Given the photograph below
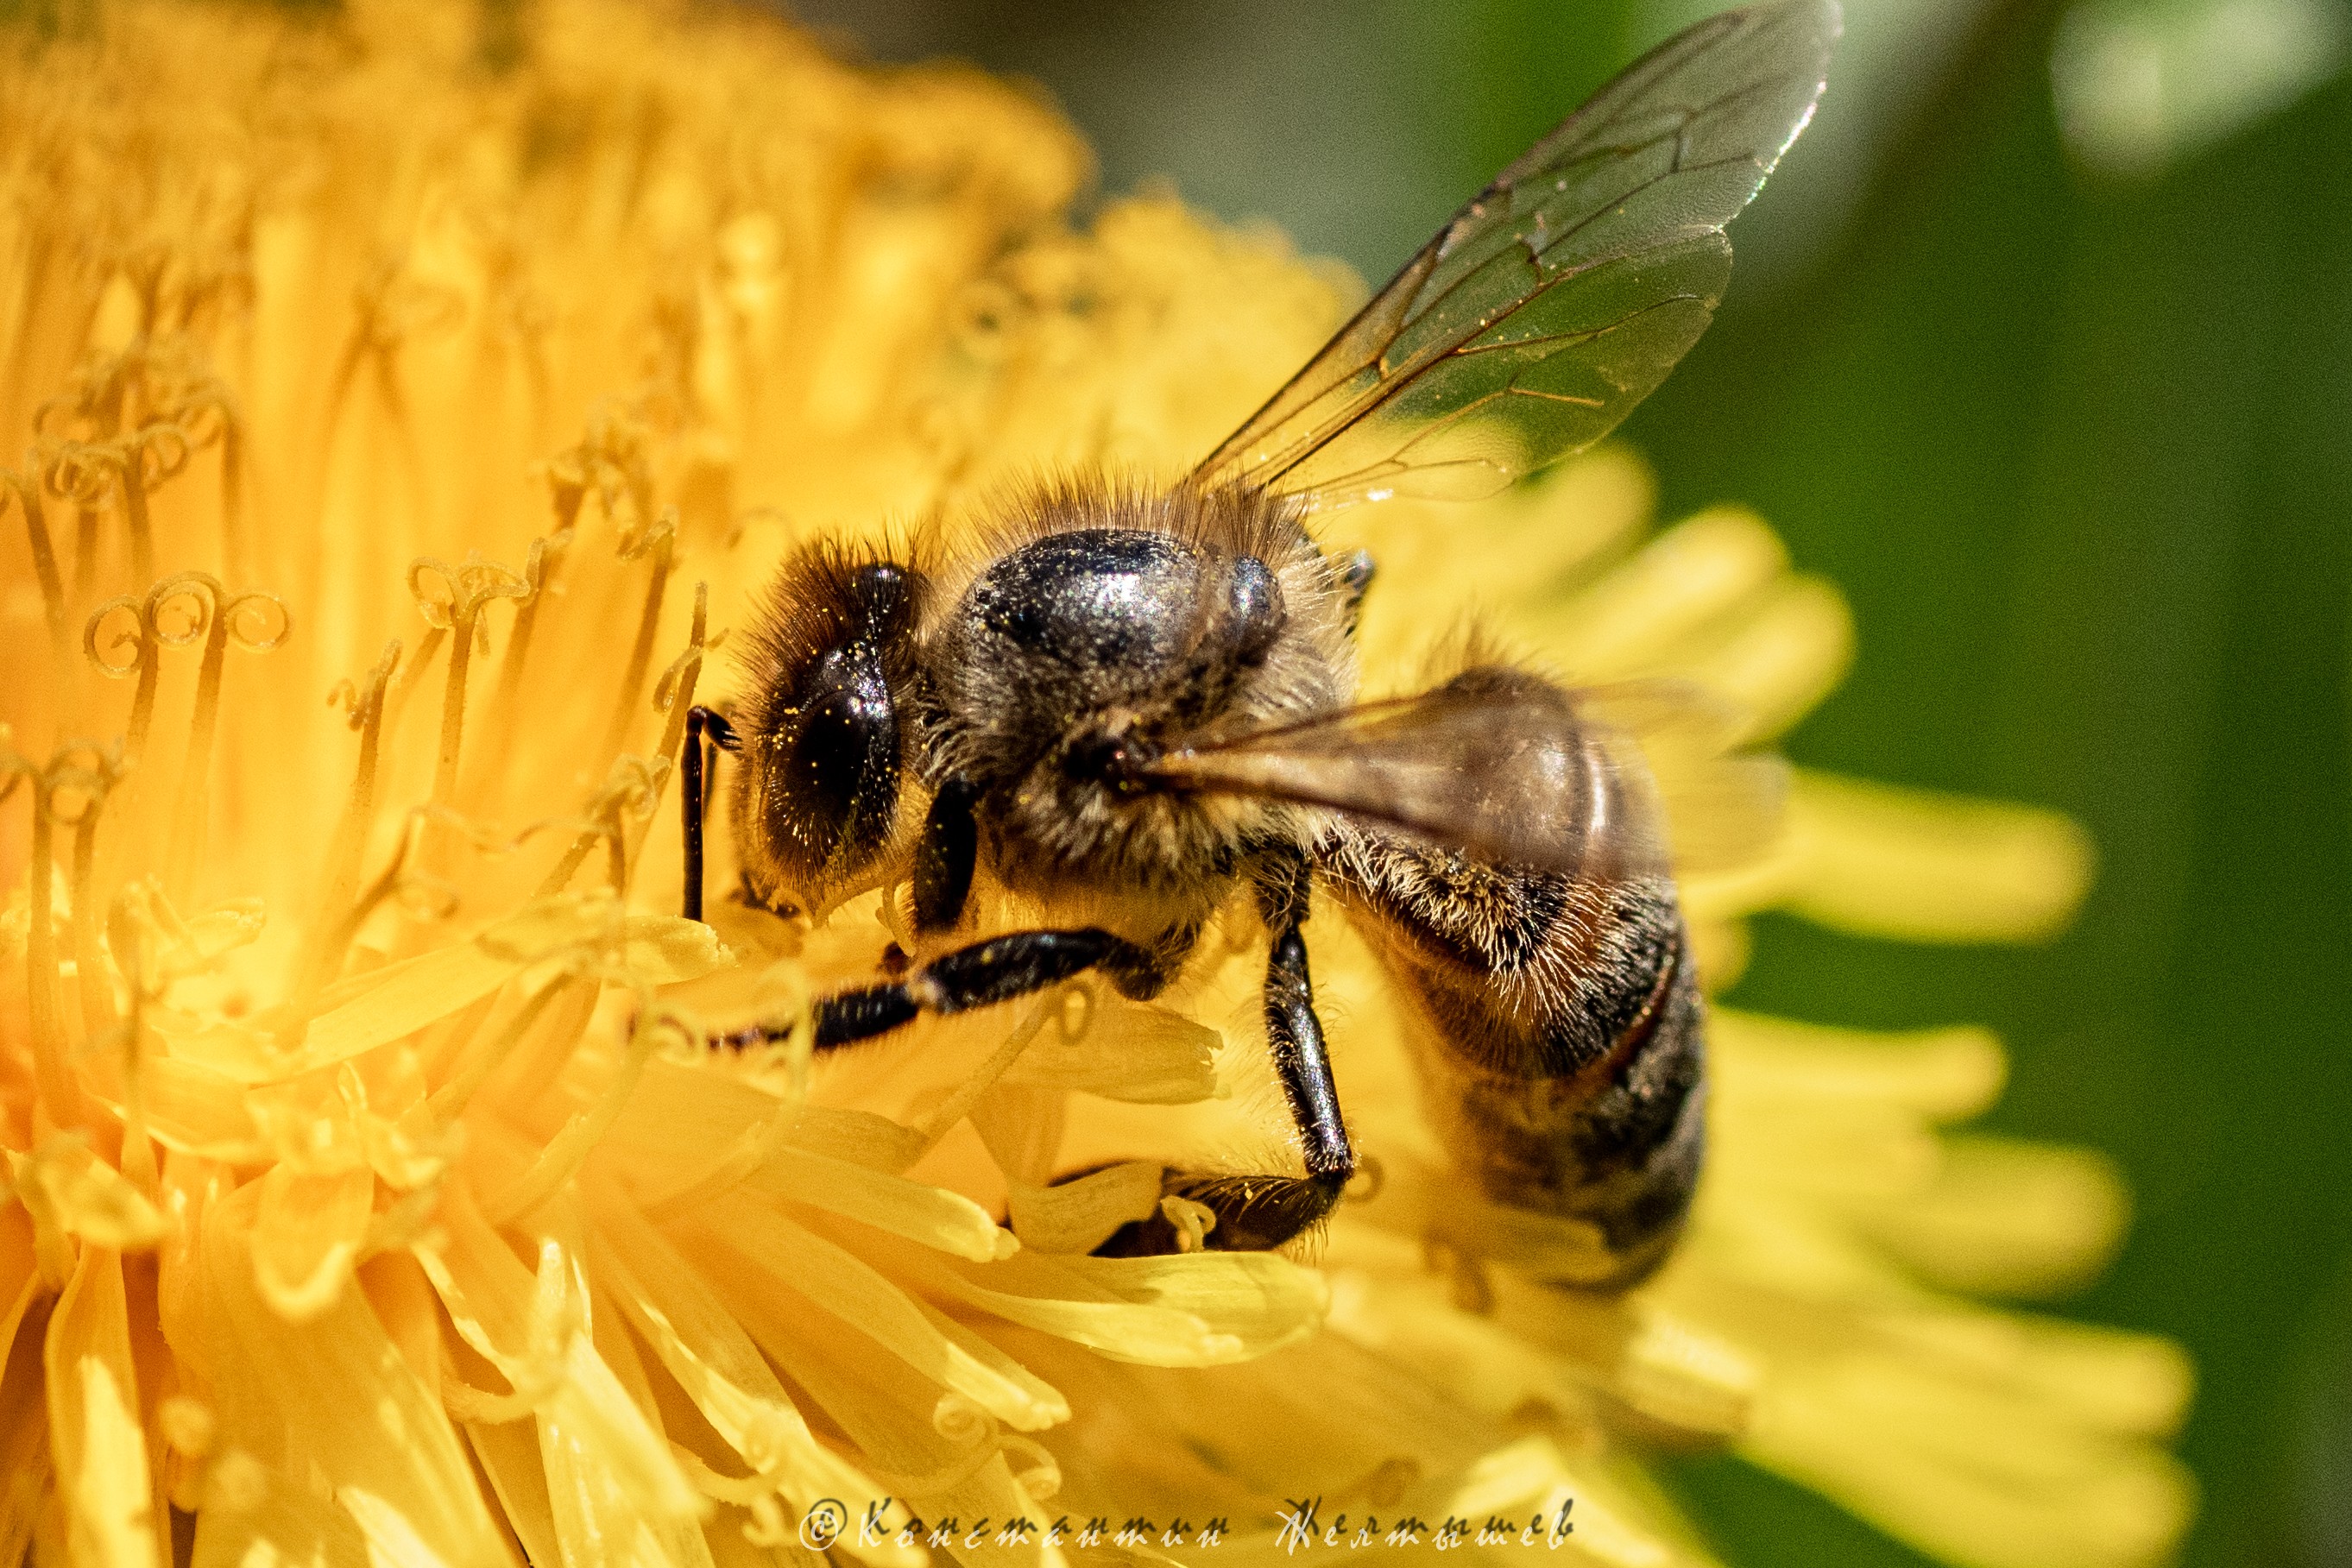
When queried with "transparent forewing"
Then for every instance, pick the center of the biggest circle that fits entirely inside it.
(1506, 769)
(1560, 296)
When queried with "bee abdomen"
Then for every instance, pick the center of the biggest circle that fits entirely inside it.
(1618, 1144)
(1558, 1031)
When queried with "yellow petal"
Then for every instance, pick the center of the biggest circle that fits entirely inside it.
(20, 1274)
(510, 1456)
(1528, 1481)
(1944, 1075)
(715, 1362)
(2008, 1217)
(192, 1108)
(1080, 1216)
(921, 1443)
(1552, 529)
(252, 1518)
(603, 1512)
(1692, 576)
(403, 997)
(307, 1231)
(604, 1460)
(1023, 1129)
(2100, 1379)
(334, 1398)
(1469, 1355)
(769, 1247)
(1134, 1052)
(1197, 1310)
(915, 1210)
(690, 1121)
(400, 999)
(95, 1436)
(1973, 1478)
(1777, 665)
(1921, 867)
(63, 1184)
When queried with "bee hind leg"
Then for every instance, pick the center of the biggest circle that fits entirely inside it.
(1259, 1213)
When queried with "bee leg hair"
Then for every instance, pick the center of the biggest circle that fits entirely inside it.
(1258, 1213)
(694, 796)
(996, 970)
(1293, 1031)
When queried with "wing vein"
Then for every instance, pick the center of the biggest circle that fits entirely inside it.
(1710, 112)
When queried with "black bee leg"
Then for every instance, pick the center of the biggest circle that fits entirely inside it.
(1295, 1035)
(694, 797)
(1258, 1213)
(944, 860)
(997, 970)
(1355, 580)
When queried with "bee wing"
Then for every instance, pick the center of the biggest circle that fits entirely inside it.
(1498, 765)
(1562, 294)
(1728, 806)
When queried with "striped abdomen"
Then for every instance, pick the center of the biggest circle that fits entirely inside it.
(1558, 1031)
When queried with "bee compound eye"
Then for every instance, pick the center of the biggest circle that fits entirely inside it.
(833, 767)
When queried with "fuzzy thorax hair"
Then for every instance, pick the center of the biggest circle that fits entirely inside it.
(1032, 653)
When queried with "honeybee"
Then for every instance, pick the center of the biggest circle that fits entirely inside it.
(1138, 704)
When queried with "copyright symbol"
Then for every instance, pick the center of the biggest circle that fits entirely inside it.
(822, 1525)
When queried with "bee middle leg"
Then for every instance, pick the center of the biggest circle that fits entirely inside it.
(1259, 1213)
(998, 969)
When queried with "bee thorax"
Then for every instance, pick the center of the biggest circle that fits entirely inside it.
(1120, 627)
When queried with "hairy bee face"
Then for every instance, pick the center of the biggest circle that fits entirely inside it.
(1073, 661)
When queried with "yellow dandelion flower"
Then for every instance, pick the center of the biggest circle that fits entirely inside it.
(398, 441)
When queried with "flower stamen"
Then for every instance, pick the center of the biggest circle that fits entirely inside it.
(365, 706)
(657, 543)
(45, 563)
(470, 587)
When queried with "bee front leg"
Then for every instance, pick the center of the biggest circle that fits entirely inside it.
(694, 794)
(1259, 1213)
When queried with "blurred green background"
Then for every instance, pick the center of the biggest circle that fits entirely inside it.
(2041, 345)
